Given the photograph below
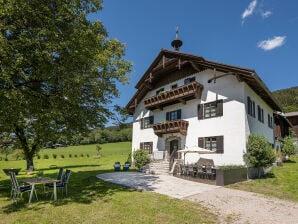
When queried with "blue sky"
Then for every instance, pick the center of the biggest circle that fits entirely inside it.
(256, 34)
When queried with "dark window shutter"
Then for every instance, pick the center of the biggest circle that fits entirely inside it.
(253, 109)
(142, 145)
(200, 111)
(151, 147)
(201, 142)
(219, 108)
(248, 105)
(151, 120)
(142, 123)
(179, 114)
(220, 144)
(168, 116)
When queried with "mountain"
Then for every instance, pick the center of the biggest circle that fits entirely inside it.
(287, 98)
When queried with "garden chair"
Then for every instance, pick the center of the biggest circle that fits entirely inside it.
(210, 173)
(59, 177)
(63, 184)
(18, 190)
(200, 172)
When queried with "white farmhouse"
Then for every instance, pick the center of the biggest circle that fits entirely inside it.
(184, 101)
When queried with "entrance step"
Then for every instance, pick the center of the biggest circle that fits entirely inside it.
(158, 167)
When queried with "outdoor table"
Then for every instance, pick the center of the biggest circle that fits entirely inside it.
(41, 180)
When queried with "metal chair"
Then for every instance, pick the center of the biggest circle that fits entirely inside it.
(209, 172)
(201, 172)
(18, 190)
(63, 184)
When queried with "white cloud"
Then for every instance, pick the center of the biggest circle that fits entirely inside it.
(266, 14)
(270, 44)
(250, 9)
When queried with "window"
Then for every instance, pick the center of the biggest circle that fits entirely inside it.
(260, 114)
(159, 91)
(270, 121)
(213, 143)
(251, 107)
(189, 80)
(209, 110)
(173, 115)
(174, 86)
(146, 122)
(148, 146)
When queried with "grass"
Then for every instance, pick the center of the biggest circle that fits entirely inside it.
(281, 182)
(91, 200)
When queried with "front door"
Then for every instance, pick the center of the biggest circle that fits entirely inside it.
(173, 149)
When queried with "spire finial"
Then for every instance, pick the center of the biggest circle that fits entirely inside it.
(176, 44)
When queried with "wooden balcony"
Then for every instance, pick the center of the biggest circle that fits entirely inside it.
(177, 126)
(183, 93)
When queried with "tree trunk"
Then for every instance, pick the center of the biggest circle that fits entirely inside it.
(24, 143)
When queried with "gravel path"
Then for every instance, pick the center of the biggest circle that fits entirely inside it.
(237, 207)
(232, 206)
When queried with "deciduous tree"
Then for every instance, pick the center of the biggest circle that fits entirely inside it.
(58, 70)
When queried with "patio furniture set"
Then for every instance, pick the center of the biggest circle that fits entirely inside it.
(29, 185)
(198, 171)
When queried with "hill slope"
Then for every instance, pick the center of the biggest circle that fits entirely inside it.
(287, 98)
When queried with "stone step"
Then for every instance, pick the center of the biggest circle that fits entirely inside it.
(158, 167)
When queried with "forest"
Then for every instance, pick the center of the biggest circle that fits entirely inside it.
(287, 98)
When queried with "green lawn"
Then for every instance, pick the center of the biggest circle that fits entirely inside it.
(282, 182)
(91, 200)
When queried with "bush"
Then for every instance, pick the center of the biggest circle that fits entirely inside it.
(141, 158)
(75, 155)
(46, 156)
(70, 155)
(82, 155)
(288, 147)
(54, 156)
(87, 155)
(62, 156)
(259, 153)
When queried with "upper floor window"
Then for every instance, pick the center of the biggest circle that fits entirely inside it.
(173, 115)
(159, 91)
(251, 107)
(146, 122)
(209, 110)
(213, 143)
(270, 121)
(189, 80)
(174, 86)
(260, 114)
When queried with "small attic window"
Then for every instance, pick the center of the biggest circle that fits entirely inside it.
(159, 91)
(189, 80)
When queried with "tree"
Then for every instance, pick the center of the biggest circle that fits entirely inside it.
(58, 70)
(259, 153)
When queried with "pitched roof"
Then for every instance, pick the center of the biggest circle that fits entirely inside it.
(170, 61)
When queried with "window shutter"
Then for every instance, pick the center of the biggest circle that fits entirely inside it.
(200, 111)
(201, 142)
(220, 144)
(179, 114)
(219, 108)
(151, 120)
(151, 148)
(142, 145)
(168, 116)
(142, 123)
(248, 105)
(253, 109)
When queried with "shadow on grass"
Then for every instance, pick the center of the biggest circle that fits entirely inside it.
(83, 187)
(290, 161)
(268, 176)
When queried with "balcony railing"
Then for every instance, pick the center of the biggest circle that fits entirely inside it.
(180, 94)
(177, 126)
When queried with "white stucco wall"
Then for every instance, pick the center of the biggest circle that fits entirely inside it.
(235, 125)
